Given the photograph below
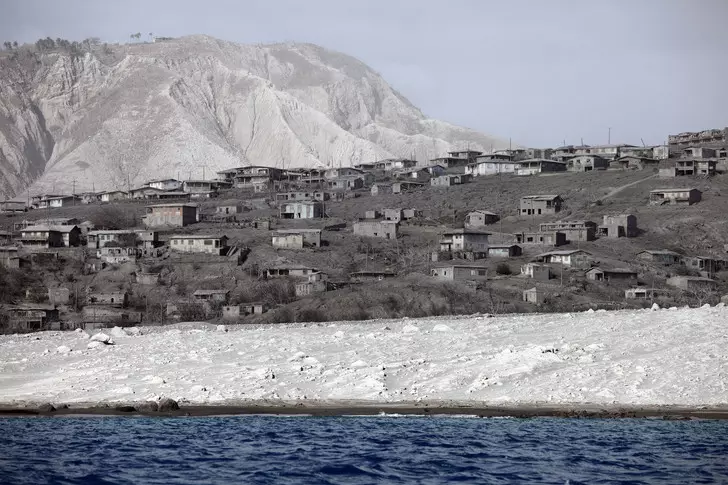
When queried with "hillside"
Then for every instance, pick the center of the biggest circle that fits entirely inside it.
(115, 116)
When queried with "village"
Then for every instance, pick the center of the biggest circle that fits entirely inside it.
(519, 230)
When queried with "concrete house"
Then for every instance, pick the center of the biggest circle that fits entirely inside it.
(41, 237)
(198, 243)
(537, 166)
(692, 283)
(608, 275)
(211, 296)
(254, 177)
(686, 196)
(57, 201)
(381, 229)
(296, 238)
(664, 257)
(461, 273)
(403, 187)
(395, 215)
(121, 237)
(586, 163)
(699, 152)
(381, 189)
(175, 214)
(505, 251)
(554, 239)
(480, 218)
(27, 318)
(59, 296)
(537, 205)
(165, 185)
(302, 210)
(464, 240)
(706, 265)
(394, 164)
(618, 225)
(450, 180)
(574, 258)
(691, 167)
(416, 175)
(534, 295)
(574, 230)
(537, 271)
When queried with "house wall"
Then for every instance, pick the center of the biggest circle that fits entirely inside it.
(115, 299)
(469, 242)
(456, 273)
(539, 207)
(287, 241)
(299, 210)
(178, 216)
(386, 230)
(192, 245)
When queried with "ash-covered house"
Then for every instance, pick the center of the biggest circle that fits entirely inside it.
(113, 196)
(301, 195)
(371, 275)
(174, 214)
(537, 271)
(352, 182)
(574, 258)
(9, 257)
(296, 238)
(706, 265)
(494, 166)
(122, 238)
(12, 206)
(255, 177)
(660, 256)
(537, 205)
(228, 209)
(416, 175)
(376, 228)
(456, 272)
(631, 162)
(43, 236)
(289, 271)
(317, 283)
(480, 218)
(610, 275)
(211, 296)
(305, 209)
(450, 180)
(394, 164)
(27, 318)
(199, 243)
(381, 189)
(586, 163)
(618, 225)
(111, 298)
(693, 283)
(464, 240)
(164, 185)
(206, 188)
(554, 239)
(457, 158)
(404, 187)
(684, 196)
(574, 230)
(504, 251)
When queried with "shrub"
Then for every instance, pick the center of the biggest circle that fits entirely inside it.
(503, 269)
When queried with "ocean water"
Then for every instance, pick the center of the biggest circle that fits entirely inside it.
(360, 450)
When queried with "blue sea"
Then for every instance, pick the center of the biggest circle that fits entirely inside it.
(360, 450)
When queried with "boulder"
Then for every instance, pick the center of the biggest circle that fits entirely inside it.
(222, 328)
(147, 407)
(63, 349)
(167, 404)
(118, 332)
(94, 344)
(103, 338)
(125, 408)
(46, 408)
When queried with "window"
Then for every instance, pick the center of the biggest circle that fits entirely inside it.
(189, 242)
(208, 242)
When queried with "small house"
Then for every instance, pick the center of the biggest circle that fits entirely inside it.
(686, 196)
(111, 298)
(292, 271)
(619, 225)
(403, 187)
(575, 258)
(450, 180)
(574, 230)
(381, 229)
(59, 296)
(9, 257)
(381, 189)
(609, 275)
(164, 184)
(113, 196)
(228, 209)
(12, 206)
(461, 273)
(41, 237)
(173, 214)
(537, 271)
(464, 240)
(534, 295)
(554, 239)
(199, 243)
(394, 215)
(346, 183)
(479, 218)
(536, 205)
(586, 163)
(302, 210)
(663, 256)
(371, 275)
(296, 238)
(505, 251)
(28, 318)
(693, 283)
(212, 296)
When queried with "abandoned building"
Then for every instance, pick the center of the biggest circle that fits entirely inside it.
(461, 273)
(293, 271)
(450, 180)
(28, 318)
(59, 296)
(686, 196)
(315, 195)
(110, 298)
(296, 238)
(212, 296)
(642, 293)
(382, 229)
(574, 230)
(253, 177)
(317, 283)
(505, 251)
(371, 275)
(41, 237)
(228, 209)
(175, 214)
(536, 205)
(480, 218)
(693, 283)
(468, 240)
(706, 138)
(404, 187)
(574, 258)
(631, 162)
(346, 183)
(199, 243)
(381, 189)
(537, 271)
(305, 209)
(618, 225)
(706, 265)
(9, 257)
(608, 275)
(586, 163)
(663, 256)
(554, 239)
(534, 295)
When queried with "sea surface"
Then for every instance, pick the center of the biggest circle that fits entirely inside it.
(360, 450)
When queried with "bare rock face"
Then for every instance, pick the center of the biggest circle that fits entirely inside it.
(167, 404)
(115, 117)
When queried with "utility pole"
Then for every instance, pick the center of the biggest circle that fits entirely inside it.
(73, 191)
(609, 137)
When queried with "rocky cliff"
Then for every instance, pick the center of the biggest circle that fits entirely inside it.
(113, 117)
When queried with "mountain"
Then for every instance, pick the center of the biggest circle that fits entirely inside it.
(110, 117)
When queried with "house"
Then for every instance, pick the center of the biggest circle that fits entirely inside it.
(6, 237)
(70, 235)
(213, 296)
(146, 193)
(104, 316)
(408, 214)
(200, 186)
(464, 240)
(111, 298)
(699, 152)
(317, 195)
(395, 215)
(457, 158)
(144, 278)
(254, 177)
(92, 197)
(59, 296)
(9, 257)
(56, 201)
(305, 209)
(173, 195)
(372, 214)
(575, 258)
(686, 196)
(504, 251)
(692, 283)
(403, 187)
(450, 180)
(113, 196)
(460, 273)
(536, 166)
(586, 163)
(537, 271)
(296, 238)
(534, 295)
(641, 293)
(12, 206)
(343, 172)
(394, 164)
(480, 218)
(164, 185)
(174, 214)
(635, 151)
(618, 225)
(631, 162)
(121, 238)
(117, 255)
(228, 209)
(317, 283)
(608, 275)
(198, 243)
(294, 271)
(706, 265)
(381, 189)
(690, 167)
(417, 175)
(709, 138)
(537, 205)
(609, 152)
(383, 229)
(574, 230)
(554, 239)
(28, 318)
(353, 182)
(663, 257)
(41, 237)
(371, 275)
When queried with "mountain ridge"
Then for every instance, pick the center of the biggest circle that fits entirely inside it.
(113, 117)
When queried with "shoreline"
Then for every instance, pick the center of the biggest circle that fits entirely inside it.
(372, 409)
